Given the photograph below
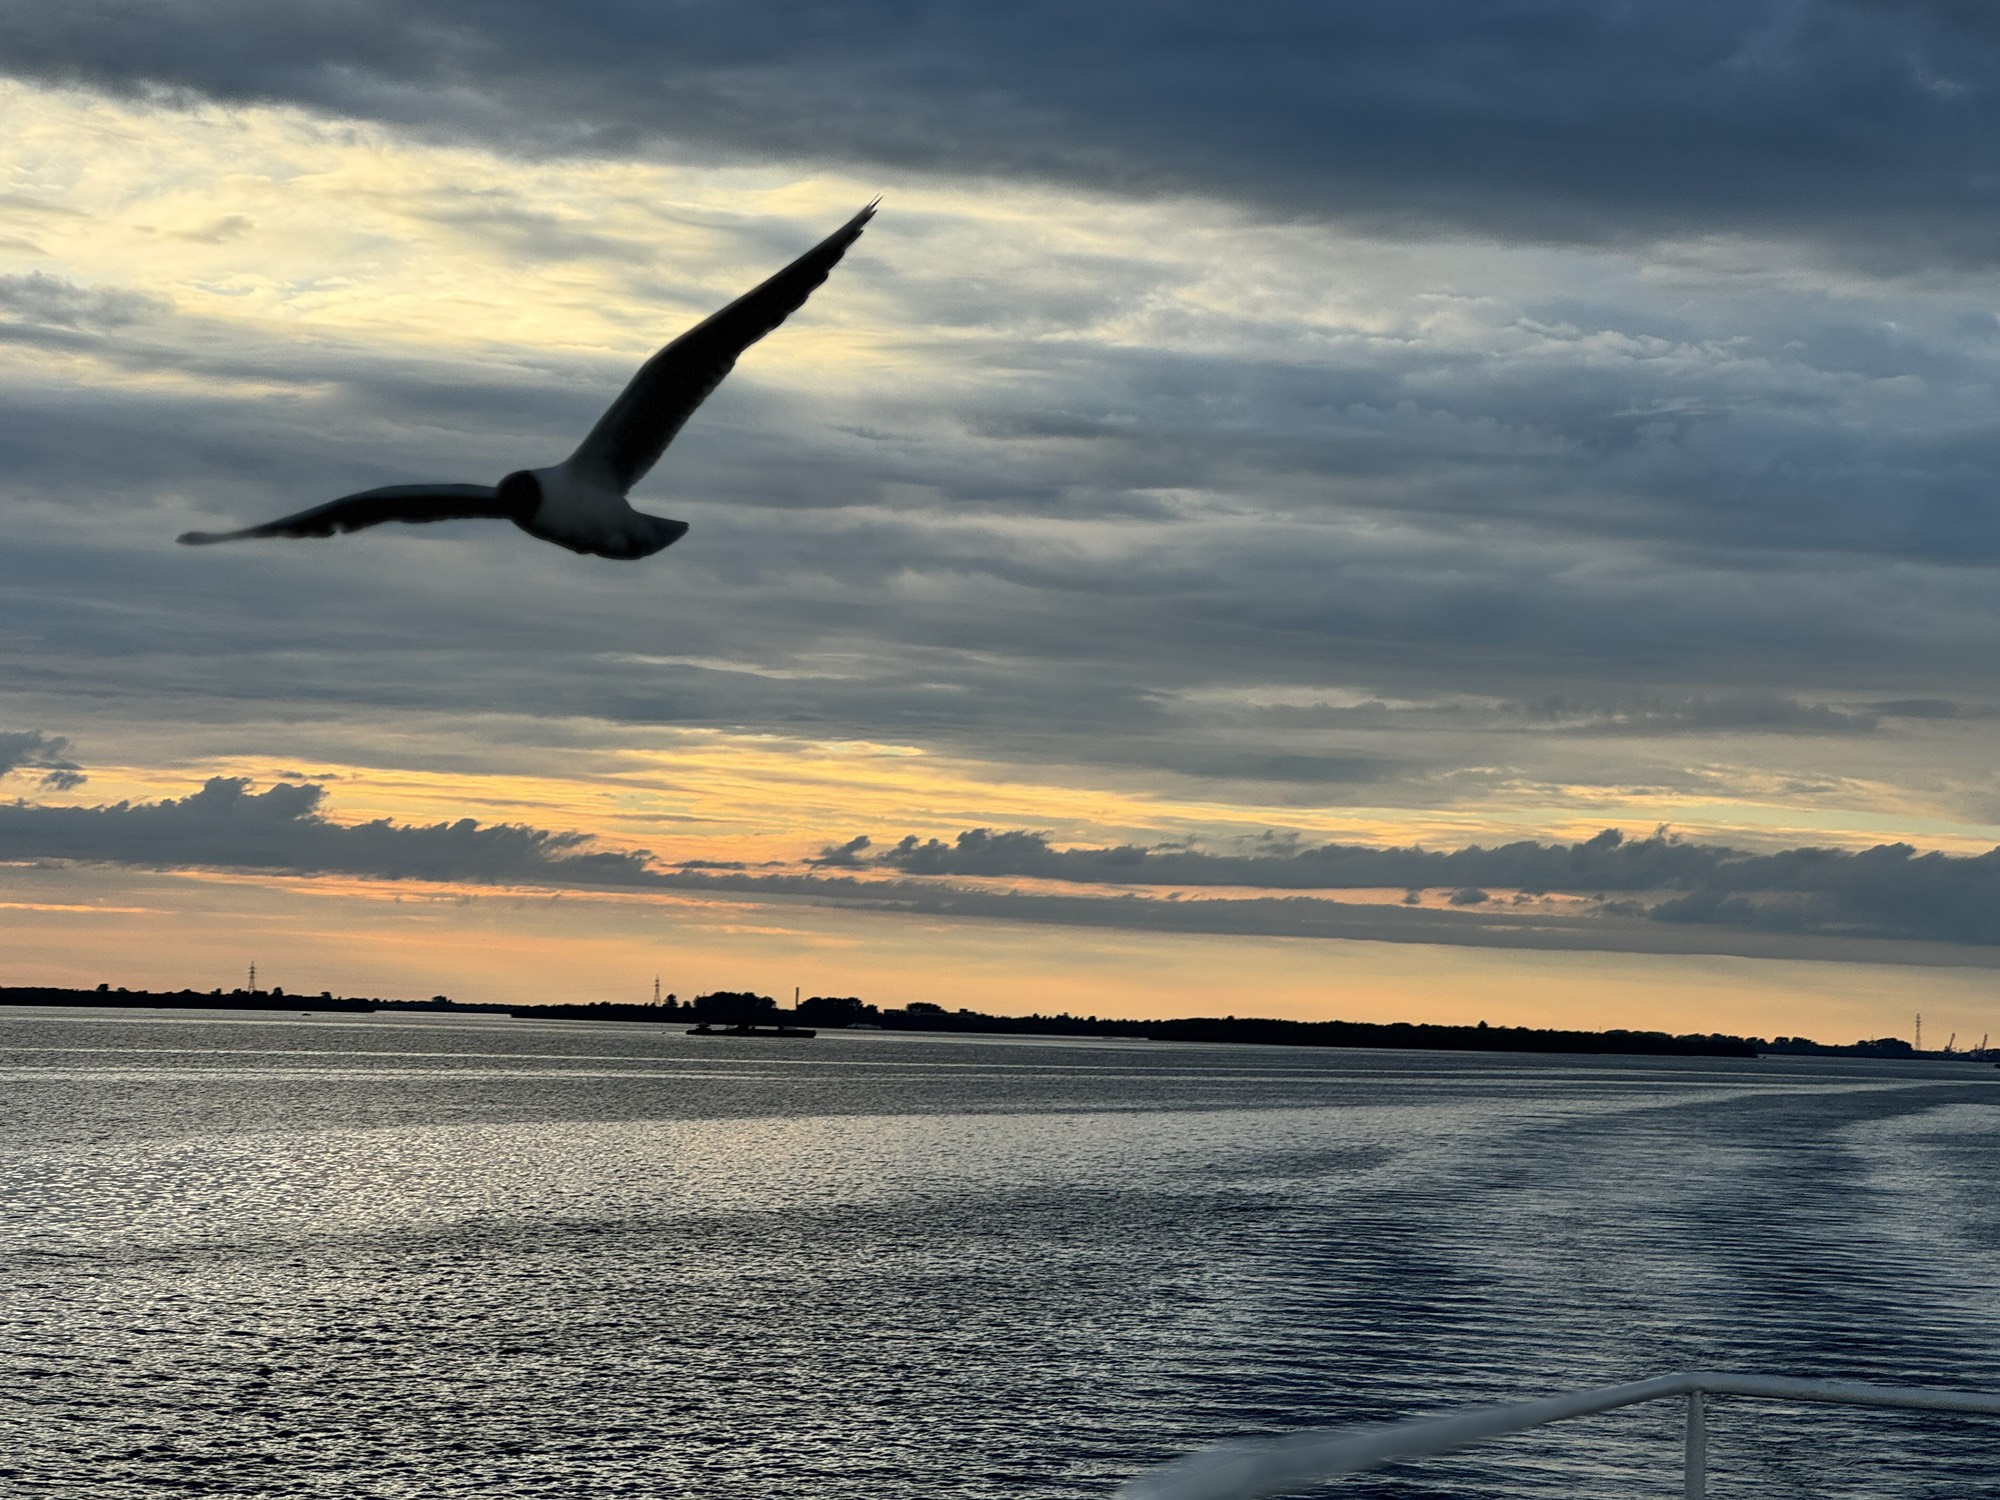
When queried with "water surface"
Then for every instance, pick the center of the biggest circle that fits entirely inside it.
(437, 1256)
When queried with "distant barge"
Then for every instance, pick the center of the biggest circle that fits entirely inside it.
(744, 1028)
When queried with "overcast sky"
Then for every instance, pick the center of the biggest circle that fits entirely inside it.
(1252, 445)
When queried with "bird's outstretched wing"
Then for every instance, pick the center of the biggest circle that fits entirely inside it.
(396, 502)
(632, 434)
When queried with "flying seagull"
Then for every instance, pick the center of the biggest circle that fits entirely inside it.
(580, 503)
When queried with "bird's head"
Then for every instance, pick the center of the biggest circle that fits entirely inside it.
(521, 493)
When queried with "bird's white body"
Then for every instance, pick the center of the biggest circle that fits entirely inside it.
(588, 514)
(580, 503)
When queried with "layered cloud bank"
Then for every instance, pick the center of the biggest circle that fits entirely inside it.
(1850, 122)
(1891, 890)
(227, 826)
(1510, 896)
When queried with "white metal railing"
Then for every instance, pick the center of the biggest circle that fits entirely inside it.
(1252, 1468)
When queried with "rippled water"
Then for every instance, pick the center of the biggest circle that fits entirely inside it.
(378, 1256)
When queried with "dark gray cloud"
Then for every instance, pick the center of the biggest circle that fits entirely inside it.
(227, 826)
(1889, 893)
(1606, 862)
(1868, 123)
(38, 300)
(1753, 712)
(36, 751)
(845, 856)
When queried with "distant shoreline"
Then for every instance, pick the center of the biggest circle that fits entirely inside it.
(1416, 1036)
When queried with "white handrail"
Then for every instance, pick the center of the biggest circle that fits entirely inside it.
(1254, 1468)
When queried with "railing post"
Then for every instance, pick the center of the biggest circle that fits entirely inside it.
(1694, 1477)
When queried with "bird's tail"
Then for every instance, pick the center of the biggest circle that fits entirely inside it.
(657, 534)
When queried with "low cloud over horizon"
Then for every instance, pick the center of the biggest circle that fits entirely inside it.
(1657, 893)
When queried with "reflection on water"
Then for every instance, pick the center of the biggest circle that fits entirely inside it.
(376, 1256)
